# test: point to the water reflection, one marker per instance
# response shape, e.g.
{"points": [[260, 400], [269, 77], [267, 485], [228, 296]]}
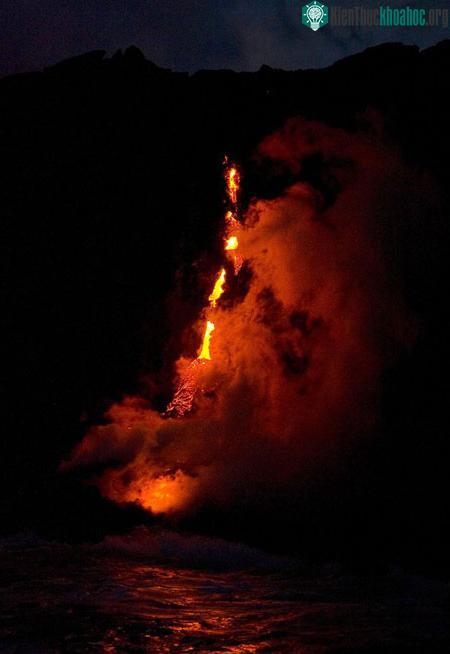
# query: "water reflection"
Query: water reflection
{"points": [[61, 599]]}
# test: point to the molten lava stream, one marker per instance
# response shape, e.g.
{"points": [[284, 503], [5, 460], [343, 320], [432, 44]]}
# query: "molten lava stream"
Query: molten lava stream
{"points": [[218, 288], [205, 353], [183, 399]]}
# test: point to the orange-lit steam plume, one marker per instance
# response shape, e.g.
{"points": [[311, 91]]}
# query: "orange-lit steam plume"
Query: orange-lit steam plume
{"points": [[290, 377]]}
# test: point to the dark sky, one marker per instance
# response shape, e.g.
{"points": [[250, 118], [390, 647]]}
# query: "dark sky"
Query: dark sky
{"points": [[183, 35]]}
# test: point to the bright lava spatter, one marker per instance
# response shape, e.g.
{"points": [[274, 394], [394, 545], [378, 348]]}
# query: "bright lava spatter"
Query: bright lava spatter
{"points": [[183, 399]]}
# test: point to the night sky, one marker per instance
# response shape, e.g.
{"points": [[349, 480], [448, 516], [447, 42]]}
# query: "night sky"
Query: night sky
{"points": [[188, 36]]}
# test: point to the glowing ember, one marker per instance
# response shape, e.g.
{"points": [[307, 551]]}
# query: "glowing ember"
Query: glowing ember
{"points": [[232, 243], [204, 350], [233, 181]]}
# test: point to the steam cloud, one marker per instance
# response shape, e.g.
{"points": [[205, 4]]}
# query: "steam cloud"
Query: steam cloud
{"points": [[296, 364]]}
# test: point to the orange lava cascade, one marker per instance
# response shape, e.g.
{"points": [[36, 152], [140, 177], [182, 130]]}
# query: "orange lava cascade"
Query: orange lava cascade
{"points": [[183, 399], [205, 354], [218, 288]]}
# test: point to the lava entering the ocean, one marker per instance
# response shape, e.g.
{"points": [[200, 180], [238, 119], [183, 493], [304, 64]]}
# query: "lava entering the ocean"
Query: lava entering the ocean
{"points": [[183, 399], [289, 372]]}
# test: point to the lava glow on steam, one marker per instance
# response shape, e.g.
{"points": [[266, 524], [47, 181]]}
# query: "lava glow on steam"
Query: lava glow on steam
{"points": [[166, 493], [290, 366]]}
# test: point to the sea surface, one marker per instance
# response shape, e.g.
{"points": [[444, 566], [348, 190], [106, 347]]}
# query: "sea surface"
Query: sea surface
{"points": [[162, 592]]}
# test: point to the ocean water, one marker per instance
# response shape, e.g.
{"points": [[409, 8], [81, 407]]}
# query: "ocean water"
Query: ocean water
{"points": [[161, 592]]}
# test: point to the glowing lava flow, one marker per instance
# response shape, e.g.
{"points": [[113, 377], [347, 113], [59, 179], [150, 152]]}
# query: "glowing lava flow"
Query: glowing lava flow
{"points": [[205, 354], [218, 288], [183, 398]]}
